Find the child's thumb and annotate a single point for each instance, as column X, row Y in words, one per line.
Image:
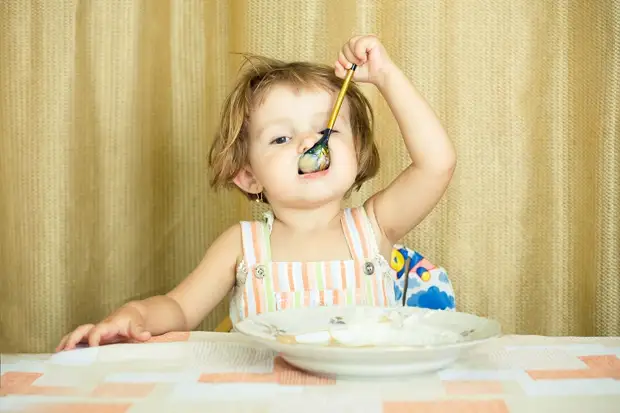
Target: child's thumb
column 137, row 331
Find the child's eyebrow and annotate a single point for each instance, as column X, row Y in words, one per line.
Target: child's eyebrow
column 278, row 121
column 326, row 115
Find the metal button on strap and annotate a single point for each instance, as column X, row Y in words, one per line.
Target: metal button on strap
column 369, row 268
column 260, row 271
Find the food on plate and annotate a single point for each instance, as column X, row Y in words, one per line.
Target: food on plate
column 393, row 329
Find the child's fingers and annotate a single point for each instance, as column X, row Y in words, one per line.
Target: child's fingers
column 77, row 336
column 346, row 64
column 111, row 336
column 101, row 330
column 358, row 46
column 353, row 41
column 362, row 46
column 339, row 70
column 62, row 343
column 349, row 55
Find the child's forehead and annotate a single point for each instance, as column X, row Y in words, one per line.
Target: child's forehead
column 284, row 103
column 296, row 98
column 280, row 92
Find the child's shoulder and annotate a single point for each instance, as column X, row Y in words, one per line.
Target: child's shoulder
column 229, row 242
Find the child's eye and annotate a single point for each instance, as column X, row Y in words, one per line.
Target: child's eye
column 280, row 140
column 325, row 130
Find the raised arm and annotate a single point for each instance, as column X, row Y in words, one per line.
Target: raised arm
column 406, row 201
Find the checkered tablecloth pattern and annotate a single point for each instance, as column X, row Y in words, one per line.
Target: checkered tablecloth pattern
column 221, row 372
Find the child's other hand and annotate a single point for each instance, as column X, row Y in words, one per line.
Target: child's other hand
column 370, row 56
column 125, row 325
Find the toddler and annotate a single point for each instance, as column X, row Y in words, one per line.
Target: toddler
column 308, row 251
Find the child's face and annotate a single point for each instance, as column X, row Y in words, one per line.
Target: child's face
column 287, row 123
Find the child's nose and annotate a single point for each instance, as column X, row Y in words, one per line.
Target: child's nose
column 307, row 141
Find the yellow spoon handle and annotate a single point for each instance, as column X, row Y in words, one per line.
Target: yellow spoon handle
column 340, row 98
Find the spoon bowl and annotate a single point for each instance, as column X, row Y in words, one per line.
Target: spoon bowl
column 315, row 160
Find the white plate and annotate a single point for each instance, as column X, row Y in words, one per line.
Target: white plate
column 368, row 341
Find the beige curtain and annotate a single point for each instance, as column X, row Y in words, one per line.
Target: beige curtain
column 108, row 107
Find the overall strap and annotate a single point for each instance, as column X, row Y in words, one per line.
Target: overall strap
column 256, row 244
column 359, row 234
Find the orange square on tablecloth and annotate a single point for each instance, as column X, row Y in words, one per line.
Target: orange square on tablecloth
column 238, row 378
column 473, row 387
column 301, row 378
column 51, row 391
column 290, row 376
column 610, row 362
column 120, row 390
column 568, row 374
column 447, row 406
column 78, row 408
column 15, row 381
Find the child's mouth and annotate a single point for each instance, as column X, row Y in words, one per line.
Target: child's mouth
column 316, row 174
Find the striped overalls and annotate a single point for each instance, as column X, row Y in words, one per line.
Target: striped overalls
column 263, row 285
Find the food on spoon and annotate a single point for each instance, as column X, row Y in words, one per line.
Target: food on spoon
column 314, row 161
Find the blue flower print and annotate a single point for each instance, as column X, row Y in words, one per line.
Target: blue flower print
column 433, row 299
column 413, row 281
column 443, row 277
column 398, row 293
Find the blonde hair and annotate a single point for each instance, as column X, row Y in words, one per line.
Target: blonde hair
column 229, row 150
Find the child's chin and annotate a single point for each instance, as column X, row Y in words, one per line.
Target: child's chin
column 315, row 198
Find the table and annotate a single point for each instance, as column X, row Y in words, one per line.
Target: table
column 224, row 372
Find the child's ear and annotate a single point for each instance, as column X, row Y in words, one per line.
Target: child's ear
column 247, row 182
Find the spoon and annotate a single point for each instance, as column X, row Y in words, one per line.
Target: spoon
column 316, row 158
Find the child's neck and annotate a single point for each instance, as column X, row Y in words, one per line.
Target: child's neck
column 307, row 220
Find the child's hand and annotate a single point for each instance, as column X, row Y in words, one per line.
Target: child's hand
column 125, row 325
column 370, row 56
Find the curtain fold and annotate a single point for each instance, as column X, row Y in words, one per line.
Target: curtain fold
column 107, row 110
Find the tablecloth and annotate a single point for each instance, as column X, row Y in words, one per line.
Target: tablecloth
column 224, row 372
